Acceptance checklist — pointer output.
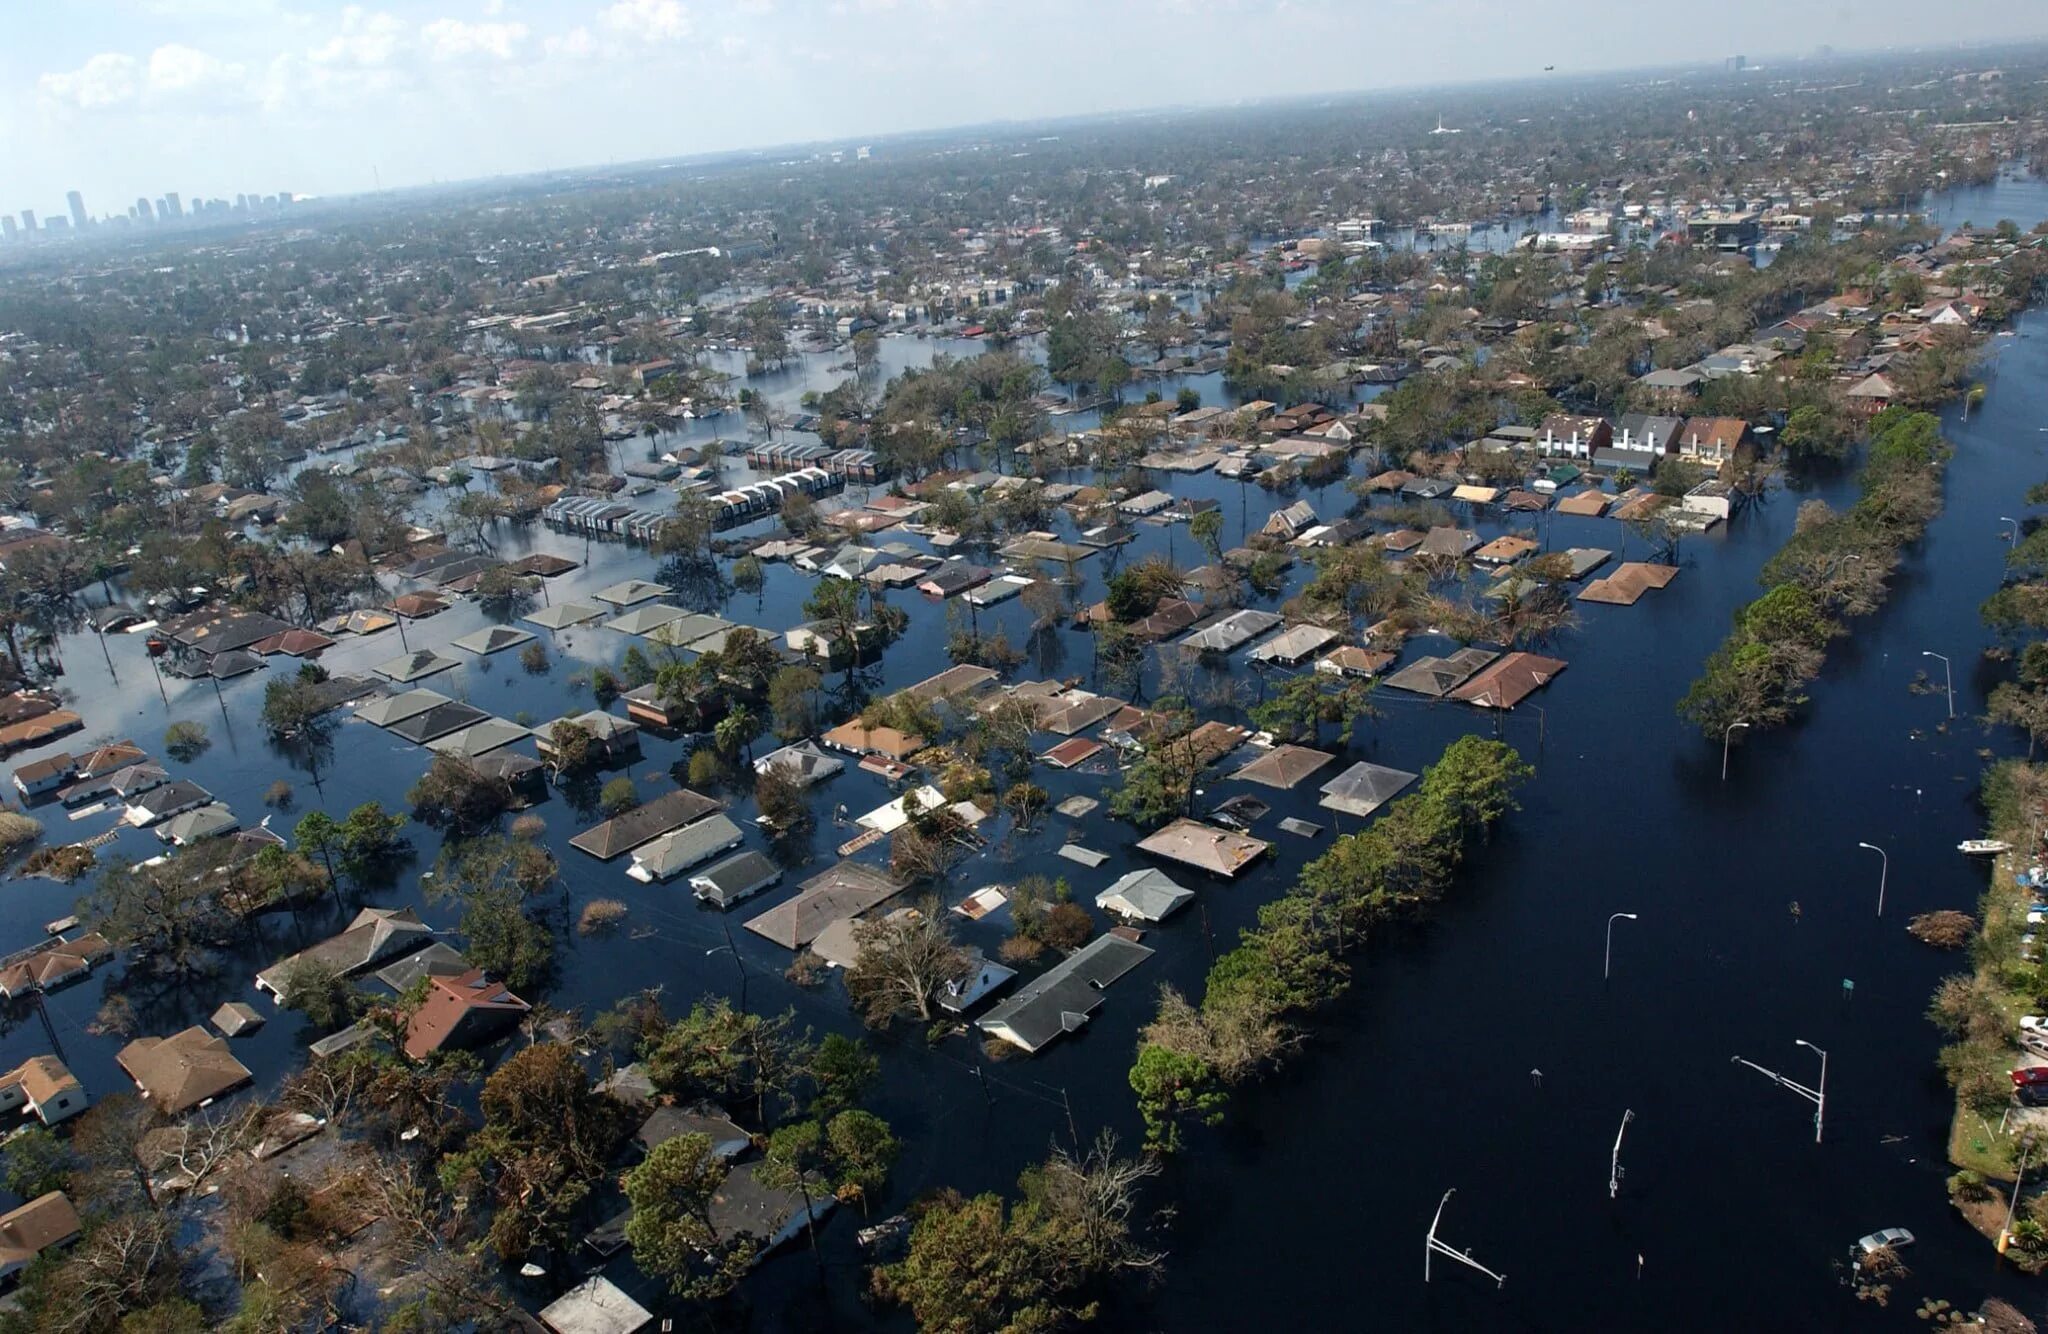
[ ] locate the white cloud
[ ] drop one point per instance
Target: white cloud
(575, 44)
(177, 69)
(108, 79)
(655, 20)
(367, 40)
(453, 39)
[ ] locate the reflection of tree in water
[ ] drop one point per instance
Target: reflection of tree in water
(698, 586)
(1048, 649)
(581, 790)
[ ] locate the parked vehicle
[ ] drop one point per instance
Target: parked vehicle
(2030, 1074)
(1890, 1237)
(2032, 1095)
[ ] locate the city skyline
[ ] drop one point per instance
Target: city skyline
(330, 96)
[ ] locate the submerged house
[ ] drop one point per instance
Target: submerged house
(184, 1071)
(466, 1010)
(376, 936)
(42, 1087)
(1061, 999)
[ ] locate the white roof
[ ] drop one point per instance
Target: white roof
(595, 1306)
(1148, 895)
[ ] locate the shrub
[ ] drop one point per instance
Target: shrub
(600, 916)
(278, 795)
(62, 864)
(1945, 930)
(529, 827)
(534, 658)
(17, 830)
(618, 796)
(186, 741)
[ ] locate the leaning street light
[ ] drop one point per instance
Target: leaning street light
(1726, 733)
(1817, 1096)
(1884, 867)
(1607, 964)
(2012, 539)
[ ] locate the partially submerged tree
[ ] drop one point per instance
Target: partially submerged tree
(903, 963)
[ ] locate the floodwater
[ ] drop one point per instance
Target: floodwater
(1423, 1078)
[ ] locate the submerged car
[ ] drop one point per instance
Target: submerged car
(1891, 1238)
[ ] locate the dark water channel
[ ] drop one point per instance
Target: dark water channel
(1315, 1198)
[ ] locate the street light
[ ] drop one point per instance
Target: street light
(1884, 868)
(1817, 1096)
(737, 962)
(1726, 733)
(1948, 675)
(1820, 1103)
(2012, 539)
(1607, 964)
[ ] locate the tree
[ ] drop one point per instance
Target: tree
(835, 603)
(860, 1149)
(321, 993)
(780, 795)
(721, 1053)
(795, 1159)
(575, 749)
(452, 794)
(169, 916)
(792, 702)
(544, 1146)
(903, 962)
(369, 841)
(494, 879)
(1173, 1087)
(318, 833)
(842, 1069)
(503, 592)
(980, 1266)
(618, 796)
(292, 707)
(670, 1227)
(185, 741)
(37, 1162)
(1207, 529)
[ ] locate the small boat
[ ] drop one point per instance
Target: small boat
(1983, 847)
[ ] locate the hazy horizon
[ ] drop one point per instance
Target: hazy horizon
(219, 97)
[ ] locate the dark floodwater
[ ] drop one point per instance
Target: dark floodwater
(1315, 1198)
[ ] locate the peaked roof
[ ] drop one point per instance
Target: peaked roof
(492, 638)
(1364, 788)
(397, 708)
(413, 666)
(178, 1073)
(467, 1000)
(670, 810)
(1061, 999)
(845, 890)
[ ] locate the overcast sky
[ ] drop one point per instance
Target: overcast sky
(121, 98)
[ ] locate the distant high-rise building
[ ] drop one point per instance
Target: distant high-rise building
(7, 228)
(143, 213)
(77, 203)
(28, 221)
(177, 209)
(284, 199)
(241, 203)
